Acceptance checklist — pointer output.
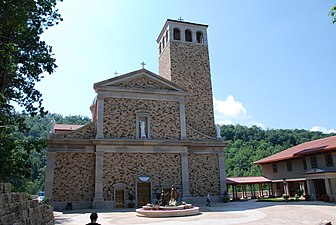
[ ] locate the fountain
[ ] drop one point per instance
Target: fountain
(172, 209)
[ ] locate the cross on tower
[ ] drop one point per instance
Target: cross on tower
(115, 73)
(143, 64)
(180, 19)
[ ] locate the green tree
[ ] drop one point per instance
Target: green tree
(24, 58)
(333, 14)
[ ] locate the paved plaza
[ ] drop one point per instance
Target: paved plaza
(249, 212)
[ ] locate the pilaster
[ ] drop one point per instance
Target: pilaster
(100, 117)
(222, 172)
(185, 174)
(49, 175)
(98, 200)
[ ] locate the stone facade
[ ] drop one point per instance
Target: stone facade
(204, 174)
(74, 177)
(189, 67)
(120, 118)
(126, 167)
(17, 209)
(100, 163)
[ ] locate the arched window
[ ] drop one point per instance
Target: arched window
(166, 36)
(163, 42)
(177, 34)
(199, 37)
(188, 36)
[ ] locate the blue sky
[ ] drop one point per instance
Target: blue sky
(272, 62)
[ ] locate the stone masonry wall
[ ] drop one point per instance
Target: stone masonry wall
(120, 118)
(203, 174)
(86, 132)
(143, 82)
(164, 63)
(189, 68)
(17, 209)
(74, 177)
(126, 167)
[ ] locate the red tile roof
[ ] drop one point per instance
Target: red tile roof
(247, 180)
(311, 147)
(66, 127)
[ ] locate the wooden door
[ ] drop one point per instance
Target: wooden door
(143, 193)
(120, 199)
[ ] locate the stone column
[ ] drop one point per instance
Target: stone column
(222, 172)
(310, 190)
(98, 201)
(183, 120)
(100, 117)
(327, 185)
(49, 175)
(185, 174)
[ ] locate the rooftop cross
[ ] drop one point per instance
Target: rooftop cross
(115, 73)
(180, 19)
(143, 64)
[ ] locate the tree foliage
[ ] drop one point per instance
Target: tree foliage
(24, 58)
(333, 14)
(249, 144)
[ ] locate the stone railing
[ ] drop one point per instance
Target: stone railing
(16, 208)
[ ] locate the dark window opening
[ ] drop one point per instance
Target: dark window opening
(177, 34)
(304, 164)
(328, 159)
(289, 166)
(199, 37)
(188, 36)
(275, 168)
(313, 162)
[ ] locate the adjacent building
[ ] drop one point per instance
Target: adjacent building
(308, 169)
(148, 132)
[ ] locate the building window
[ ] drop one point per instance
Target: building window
(160, 49)
(313, 162)
(275, 168)
(304, 164)
(166, 37)
(163, 43)
(188, 36)
(328, 159)
(177, 34)
(289, 166)
(199, 37)
(142, 124)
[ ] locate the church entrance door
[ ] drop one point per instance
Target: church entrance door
(120, 199)
(143, 193)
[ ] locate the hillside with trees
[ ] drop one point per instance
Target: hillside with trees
(249, 144)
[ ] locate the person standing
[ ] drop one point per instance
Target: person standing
(208, 200)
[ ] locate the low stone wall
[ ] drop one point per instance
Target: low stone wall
(17, 209)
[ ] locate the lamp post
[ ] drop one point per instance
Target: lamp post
(285, 188)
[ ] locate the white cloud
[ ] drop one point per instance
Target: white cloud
(323, 130)
(230, 111)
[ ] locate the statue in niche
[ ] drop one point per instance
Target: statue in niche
(142, 129)
(52, 126)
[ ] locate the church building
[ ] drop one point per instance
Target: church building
(148, 132)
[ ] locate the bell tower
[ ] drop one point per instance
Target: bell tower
(184, 60)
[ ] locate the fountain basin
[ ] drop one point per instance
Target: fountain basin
(168, 211)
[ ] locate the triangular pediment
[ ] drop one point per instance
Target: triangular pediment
(139, 80)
